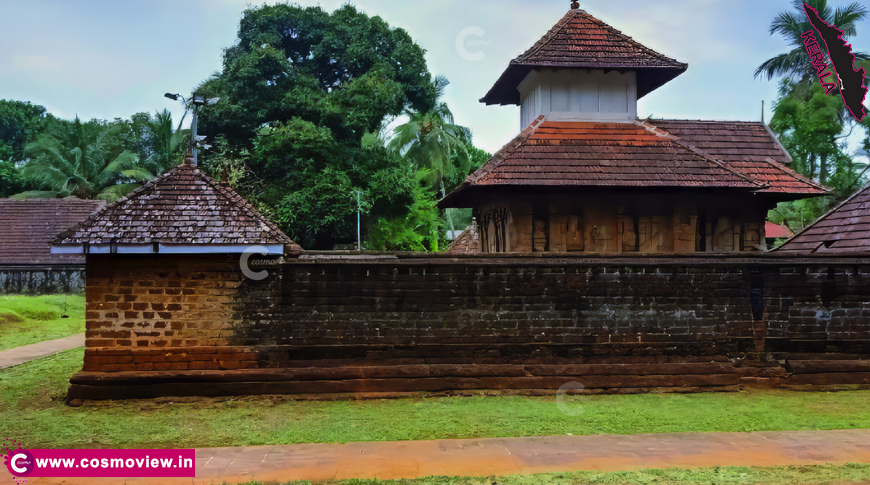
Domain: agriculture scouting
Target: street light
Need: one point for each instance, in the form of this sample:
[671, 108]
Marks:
[196, 100]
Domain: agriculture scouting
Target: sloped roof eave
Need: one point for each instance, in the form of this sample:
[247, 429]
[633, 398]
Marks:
[183, 206]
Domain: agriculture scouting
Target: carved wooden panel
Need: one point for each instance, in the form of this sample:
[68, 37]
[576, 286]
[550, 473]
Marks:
[723, 235]
[520, 229]
[654, 233]
[752, 240]
[685, 233]
[628, 233]
[574, 236]
[494, 224]
[558, 230]
[600, 239]
[539, 235]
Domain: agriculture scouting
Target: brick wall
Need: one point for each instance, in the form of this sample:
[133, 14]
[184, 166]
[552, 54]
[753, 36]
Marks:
[149, 313]
[166, 313]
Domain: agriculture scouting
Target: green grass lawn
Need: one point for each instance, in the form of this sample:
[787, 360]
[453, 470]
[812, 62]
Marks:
[32, 411]
[27, 320]
[784, 475]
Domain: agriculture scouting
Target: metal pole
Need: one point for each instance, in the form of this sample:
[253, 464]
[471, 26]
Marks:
[193, 129]
[358, 245]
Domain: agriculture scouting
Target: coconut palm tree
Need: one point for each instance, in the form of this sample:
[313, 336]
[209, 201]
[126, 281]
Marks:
[432, 142]
[164, 142]
[791, 24]
[76, 162]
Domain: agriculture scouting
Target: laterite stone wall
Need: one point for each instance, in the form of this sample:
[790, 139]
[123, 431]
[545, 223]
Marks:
[159, 313]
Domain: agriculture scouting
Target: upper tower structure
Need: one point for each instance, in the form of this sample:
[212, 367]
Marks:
[582, 70]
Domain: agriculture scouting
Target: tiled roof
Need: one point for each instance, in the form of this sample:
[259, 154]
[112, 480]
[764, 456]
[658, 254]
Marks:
[772, 230]
[638, 154]
[747, 146]
[580, 40]
[844, 229]
[467, 242]
[584, 154]
[182, 206]
[27, 226]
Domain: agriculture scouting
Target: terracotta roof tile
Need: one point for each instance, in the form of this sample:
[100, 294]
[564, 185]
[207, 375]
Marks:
[467, 242]
[27, 226]
[641, 154]
[772, 230]
[580, 40]
[182, 206]
[746, 146]
[844, 229]
[584, 154]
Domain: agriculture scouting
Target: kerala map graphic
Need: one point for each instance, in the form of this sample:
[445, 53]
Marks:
[851, 83]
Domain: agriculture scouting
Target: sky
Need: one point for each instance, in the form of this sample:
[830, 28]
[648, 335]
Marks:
[110, 59]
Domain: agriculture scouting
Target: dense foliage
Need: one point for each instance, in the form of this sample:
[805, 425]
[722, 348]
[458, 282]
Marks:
[304, 99]
[90, 159]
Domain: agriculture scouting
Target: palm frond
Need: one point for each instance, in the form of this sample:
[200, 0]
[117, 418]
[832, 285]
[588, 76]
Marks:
[114, 192]
[138, 174]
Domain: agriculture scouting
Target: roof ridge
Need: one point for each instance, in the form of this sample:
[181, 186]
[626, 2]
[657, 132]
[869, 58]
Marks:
[793, 174]
[135, 193]
[702, 121]
[701, 153]
[555, 29]
[823, 217]
[498, 157]
[571, 15]
[511, 146]
[241, 203]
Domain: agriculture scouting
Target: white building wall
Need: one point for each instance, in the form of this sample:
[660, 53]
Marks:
[578, 95]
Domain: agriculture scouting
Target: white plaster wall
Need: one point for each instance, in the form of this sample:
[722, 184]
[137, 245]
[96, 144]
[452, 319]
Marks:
[578, 95]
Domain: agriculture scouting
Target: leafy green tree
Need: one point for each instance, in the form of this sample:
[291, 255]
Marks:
[808, 127]
[791, 24]
[20, 123]
[76, 160]
[300, 90]
[420, 229]
[11, 181]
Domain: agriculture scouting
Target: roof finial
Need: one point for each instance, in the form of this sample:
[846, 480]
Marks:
[575, 5]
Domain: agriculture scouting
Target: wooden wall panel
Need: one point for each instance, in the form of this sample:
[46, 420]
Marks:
[685, 233]
[574, 238]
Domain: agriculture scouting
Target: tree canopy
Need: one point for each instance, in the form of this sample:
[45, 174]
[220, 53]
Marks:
[300, 91]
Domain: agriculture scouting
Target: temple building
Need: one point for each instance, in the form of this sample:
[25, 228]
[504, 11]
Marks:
[586, 175]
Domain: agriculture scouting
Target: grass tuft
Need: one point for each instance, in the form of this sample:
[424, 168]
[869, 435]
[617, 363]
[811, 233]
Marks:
[26, 320]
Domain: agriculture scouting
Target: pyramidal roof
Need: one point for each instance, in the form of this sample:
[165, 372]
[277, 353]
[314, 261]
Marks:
[845, 229]
[566, 154]
[580, 40]
[183, 210]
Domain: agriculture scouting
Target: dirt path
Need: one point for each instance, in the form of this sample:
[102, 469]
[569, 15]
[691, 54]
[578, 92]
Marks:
[507, 456]
[26, 353]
